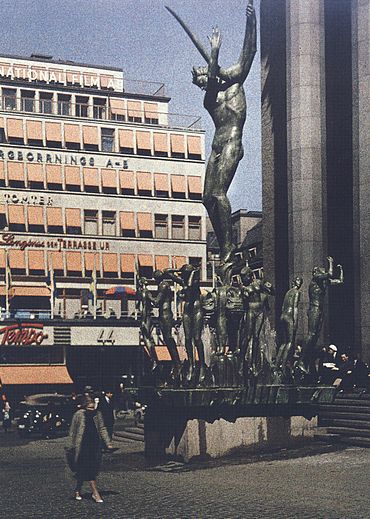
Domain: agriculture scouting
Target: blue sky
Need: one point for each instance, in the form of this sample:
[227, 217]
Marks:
[141, 37]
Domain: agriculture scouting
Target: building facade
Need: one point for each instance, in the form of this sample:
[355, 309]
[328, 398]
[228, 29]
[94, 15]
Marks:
[315, 142]
[99, 184]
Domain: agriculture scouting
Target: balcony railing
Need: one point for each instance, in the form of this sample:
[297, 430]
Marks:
[31, 314]
[96, 111]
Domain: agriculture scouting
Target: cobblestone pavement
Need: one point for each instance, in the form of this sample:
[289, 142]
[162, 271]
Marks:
[318, 482]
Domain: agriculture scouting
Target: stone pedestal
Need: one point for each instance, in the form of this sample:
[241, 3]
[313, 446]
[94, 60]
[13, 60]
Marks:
[214, 422]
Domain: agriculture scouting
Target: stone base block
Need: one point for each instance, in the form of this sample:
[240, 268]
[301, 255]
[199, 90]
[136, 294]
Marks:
[217, 439]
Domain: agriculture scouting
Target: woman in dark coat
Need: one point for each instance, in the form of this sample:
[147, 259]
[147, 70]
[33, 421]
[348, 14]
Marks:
[86, 433]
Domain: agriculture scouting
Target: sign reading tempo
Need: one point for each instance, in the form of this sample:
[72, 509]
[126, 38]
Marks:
[87, 79]
[24, 334]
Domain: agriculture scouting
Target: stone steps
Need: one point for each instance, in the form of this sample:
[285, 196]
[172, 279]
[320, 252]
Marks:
[130, 433]
[347, 420]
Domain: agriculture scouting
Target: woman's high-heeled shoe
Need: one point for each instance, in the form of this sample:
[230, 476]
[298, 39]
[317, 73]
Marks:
[97, 499]
[78, 496]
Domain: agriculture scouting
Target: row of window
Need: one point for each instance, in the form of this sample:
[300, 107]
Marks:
[22, 218]
[20, 132]
[82, 264]
[99, 180]
[71, 105]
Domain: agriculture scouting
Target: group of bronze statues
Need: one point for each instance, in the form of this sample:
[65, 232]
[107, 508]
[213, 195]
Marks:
[229, 325]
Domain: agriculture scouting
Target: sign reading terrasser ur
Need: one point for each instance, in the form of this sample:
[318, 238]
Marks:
[24, 334]
[11, 240]
[46, 73]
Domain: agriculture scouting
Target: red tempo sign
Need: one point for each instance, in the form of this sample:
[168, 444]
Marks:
[23, 334]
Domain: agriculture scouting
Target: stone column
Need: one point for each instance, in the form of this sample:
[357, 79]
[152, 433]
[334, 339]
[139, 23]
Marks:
[361, 184]
[306, 180]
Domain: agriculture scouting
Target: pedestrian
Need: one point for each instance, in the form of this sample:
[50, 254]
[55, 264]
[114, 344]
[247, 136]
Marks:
[84, 453]
[106, 407]
[7, 422]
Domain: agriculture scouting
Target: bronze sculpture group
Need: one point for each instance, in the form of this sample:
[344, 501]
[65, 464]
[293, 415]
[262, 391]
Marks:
[235, 312]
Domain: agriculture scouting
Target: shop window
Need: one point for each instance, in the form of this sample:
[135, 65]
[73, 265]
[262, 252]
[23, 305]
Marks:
[46, 103]
[161, 226]
[9, 99]
[64, 104]
[109, 223]
[252, 252]
[99, 108]
[178, 227]
[82, 106]
[195, 229]
[107, 140]
[91, 222]
[27, 101]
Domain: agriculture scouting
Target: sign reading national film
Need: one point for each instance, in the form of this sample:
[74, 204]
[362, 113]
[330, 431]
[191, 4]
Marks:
[24, 334]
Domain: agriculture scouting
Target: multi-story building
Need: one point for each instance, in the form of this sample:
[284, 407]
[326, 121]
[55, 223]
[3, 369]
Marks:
[99, 183]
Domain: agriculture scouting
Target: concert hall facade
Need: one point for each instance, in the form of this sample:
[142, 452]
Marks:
[99, 184]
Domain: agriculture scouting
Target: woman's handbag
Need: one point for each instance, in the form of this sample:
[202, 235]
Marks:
[71, 458]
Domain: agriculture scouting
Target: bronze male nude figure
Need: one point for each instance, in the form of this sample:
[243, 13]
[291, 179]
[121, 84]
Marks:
[225, 101]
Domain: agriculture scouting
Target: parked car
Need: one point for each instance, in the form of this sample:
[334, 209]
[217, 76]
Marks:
[48, 415]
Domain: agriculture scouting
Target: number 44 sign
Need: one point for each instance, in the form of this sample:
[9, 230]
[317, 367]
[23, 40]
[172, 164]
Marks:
[106, 337]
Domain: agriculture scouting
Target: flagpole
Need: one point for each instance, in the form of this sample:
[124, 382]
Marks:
[52, 293]
[174, 291]
[135, 283]
[94, 289]
[7, 285]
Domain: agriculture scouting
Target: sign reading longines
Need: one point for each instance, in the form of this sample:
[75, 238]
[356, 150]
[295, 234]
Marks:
[8, 240]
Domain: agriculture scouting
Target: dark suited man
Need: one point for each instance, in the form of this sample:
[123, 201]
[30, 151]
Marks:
[106, 408]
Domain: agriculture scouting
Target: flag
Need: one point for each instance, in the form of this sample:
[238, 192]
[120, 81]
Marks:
[8, 284]
[120, 290]
[51, 284]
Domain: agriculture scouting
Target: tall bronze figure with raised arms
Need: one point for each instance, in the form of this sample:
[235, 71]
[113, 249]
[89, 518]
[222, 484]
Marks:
[226, 104]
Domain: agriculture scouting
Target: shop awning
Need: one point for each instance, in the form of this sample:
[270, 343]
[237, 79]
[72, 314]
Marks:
[117, 106]
[163, 353]
[92, 261]
[161, 262]
[126, 179]
[2, 173]
[161, 182]
[35, 215]
[16, 214]
[160, 142]
[91, 177]
[74, 261]
[16, 171]
[34, 291]
[127, 219]
[34, 130]
[36, 260]
[110, 262]
[144, 221]
[127, 263]
[54, 216]
[178, 183]
[134, 109]
[151, 110]
[53, 174]
[15, 128]
[178, 261]
[35, 173]
[73, 177]
[177, 143]
[90, 135]
[73, 217]
[144, 181]
[194, 145]
[126, 139]
[19, 375]
[109, 178]
[72, 133]
[55, 260]
[195, 185]
[53, 132]
[145, 260]
[143, 140]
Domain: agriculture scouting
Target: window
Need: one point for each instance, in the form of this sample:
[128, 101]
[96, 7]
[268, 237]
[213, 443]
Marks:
[27, 101]
[161, 226]
[178, 227]
[82, 106]
[195, 228]
[64, 104]
[99, 108]
[252, 252]
[91, 222]
[46, 103]
[9, 100]
[107, 139]
[109, 223]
